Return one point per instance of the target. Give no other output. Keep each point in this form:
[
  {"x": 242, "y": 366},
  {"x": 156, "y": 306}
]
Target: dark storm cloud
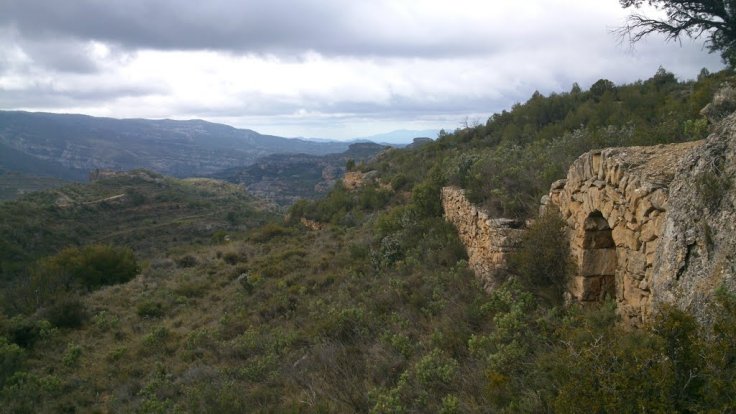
[{"x": 331, "y": 27}]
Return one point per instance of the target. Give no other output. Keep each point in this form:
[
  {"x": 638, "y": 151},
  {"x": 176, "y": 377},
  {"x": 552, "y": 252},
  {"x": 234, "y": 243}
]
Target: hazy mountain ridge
[
  {"x": 68, "y": 146},
  {"x": 13, "y": 184},
  {"x": 401, "y": 136}
]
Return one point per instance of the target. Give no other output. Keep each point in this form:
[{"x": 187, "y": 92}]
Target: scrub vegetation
[{"x": 373, "y": 309}]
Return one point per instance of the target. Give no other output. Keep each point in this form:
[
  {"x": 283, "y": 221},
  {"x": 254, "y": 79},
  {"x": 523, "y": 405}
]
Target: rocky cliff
[{"x": 697, "y": 253}]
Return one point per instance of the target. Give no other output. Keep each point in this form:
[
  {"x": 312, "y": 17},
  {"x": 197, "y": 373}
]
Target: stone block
[
  {"x": 651, "y": 253},
  {"x": 590, "y": 289},
  {"x": 598, "y": 262},
  {"x": 596, "y": 288},
  {"x": 558, "y": 185},
  {"x": 643, "y": 209},
  {"x": 632, "y": 293},
  {"x": 576, "y": 287},
  {"x": 625, "y": 237},
  {"x": 600, "y": 239},
  {"x": 659, "y": 199},
  {"x": 647, "y": 231},
  {"x": 636, "y": 264},
  {"x": 596, "y": 164}
]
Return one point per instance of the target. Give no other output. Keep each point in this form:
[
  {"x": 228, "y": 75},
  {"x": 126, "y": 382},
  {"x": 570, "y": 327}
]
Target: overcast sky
[{"x": 316, "y": 68}]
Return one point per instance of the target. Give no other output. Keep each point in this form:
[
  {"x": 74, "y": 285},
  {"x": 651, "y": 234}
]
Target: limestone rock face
[
  {"x": 698, "y": 248},
  {"x": 652, "y": 225},
  {"x": 723, "y": 104},
  {"x": 487, "y": 240},
  {"x": 353, "y": 180}
]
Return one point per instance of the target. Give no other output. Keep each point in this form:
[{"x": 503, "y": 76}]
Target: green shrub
[
  {"x": 187, "y": 261},
  {"x": 695, "y": 128},
  {"x": 156, "y": 337},
  {"x": 350, "y": 165},
  {"x": 542, "y": 263},
  {"x": 116, "y": 354},
  {"x": 399, "y": 182},
  {"x": 27, "y": 392},
  {"x": 231, "y": 258},
  {"x": 104, "y": 321},
  {"x": 92, "y": 266},
  {"x": 192, "y": 288},
  {"x": 72, "y": 354},
  {"x": 249, "y": 281},
  {"x": 67, "y": 312},
  {"x": 11, "y": 359},
  {"x": 268, "y": 232},
  {"x": 26, "y": 331},
  {"x": 150, "y": 309},
  {"x": 219, "y": 237},
  {"x": 426, "y": 197},
  {"x": 346, "y": 325}
]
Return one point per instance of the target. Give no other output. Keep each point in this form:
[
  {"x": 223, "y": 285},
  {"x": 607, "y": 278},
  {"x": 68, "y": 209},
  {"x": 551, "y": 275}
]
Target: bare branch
[{"x": 714, "y": 19}]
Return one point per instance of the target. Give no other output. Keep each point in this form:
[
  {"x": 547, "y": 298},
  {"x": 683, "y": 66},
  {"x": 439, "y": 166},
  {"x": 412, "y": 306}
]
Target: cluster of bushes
[
  {"x": 341, "y": 206},
  {"x": 582, "y": 361},
  {"x": 510, "y": 161},
  {"x": 54, "y": 284},
  {"x": 519, "y": 349},
  {"x": 177, "y": 212}
]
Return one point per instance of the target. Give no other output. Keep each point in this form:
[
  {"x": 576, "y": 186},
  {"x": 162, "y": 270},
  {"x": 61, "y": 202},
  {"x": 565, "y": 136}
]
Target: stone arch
[
  {"x": 624, "y": 191},
  {"x": 598, "y": 262}
]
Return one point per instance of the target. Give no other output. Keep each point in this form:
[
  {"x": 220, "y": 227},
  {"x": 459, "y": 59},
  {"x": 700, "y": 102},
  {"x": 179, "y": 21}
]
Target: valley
[{"x": 364, "y": 297}]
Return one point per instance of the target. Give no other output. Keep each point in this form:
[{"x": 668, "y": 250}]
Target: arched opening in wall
[{"x": 598, "y": 264}]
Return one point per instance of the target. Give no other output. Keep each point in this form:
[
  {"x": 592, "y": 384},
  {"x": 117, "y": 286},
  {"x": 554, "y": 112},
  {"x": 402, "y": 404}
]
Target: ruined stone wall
[
  {"x": 647, "y": 225},
  {"x": 487, "y": 240},
  {"x": 670, "y": 211},
  {"x": 615, "y": 202}
]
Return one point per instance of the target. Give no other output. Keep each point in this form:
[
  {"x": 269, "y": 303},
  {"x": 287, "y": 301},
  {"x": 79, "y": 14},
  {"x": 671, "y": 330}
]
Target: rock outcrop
[
  {"x": 698, "y": 249},
  {"x": 652, "y": 225},
  {"x": 488, "y": 241}
]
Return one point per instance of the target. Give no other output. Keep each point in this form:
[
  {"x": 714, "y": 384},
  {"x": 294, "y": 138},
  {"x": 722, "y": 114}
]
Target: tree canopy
[{"x": 715, "y": 19}]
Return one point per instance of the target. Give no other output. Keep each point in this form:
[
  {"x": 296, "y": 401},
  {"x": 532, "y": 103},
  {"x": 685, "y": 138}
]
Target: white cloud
[{"x": 373, "y": 66}]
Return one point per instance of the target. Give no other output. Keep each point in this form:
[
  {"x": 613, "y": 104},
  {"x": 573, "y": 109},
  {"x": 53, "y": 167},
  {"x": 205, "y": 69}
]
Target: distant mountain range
[
  {"x": 39, "y": 150},
  {"x": 70, "y": 146},
  {"x": 400, "y": 136}
]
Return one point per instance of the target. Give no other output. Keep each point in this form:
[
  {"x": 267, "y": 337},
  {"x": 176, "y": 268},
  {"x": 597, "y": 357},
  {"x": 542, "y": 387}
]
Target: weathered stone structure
[
  {"x": 653, "y": 225},
  {"x": 647, "y": 225},
  {"x": 615, "y": 202},
  {"x": 487, "y": 240}
]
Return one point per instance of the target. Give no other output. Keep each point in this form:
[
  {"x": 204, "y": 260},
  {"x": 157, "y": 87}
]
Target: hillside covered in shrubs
[{"x": 362, "y": 301}]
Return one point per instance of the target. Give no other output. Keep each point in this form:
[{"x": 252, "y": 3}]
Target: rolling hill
[{"x": 69, "y": 146}]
